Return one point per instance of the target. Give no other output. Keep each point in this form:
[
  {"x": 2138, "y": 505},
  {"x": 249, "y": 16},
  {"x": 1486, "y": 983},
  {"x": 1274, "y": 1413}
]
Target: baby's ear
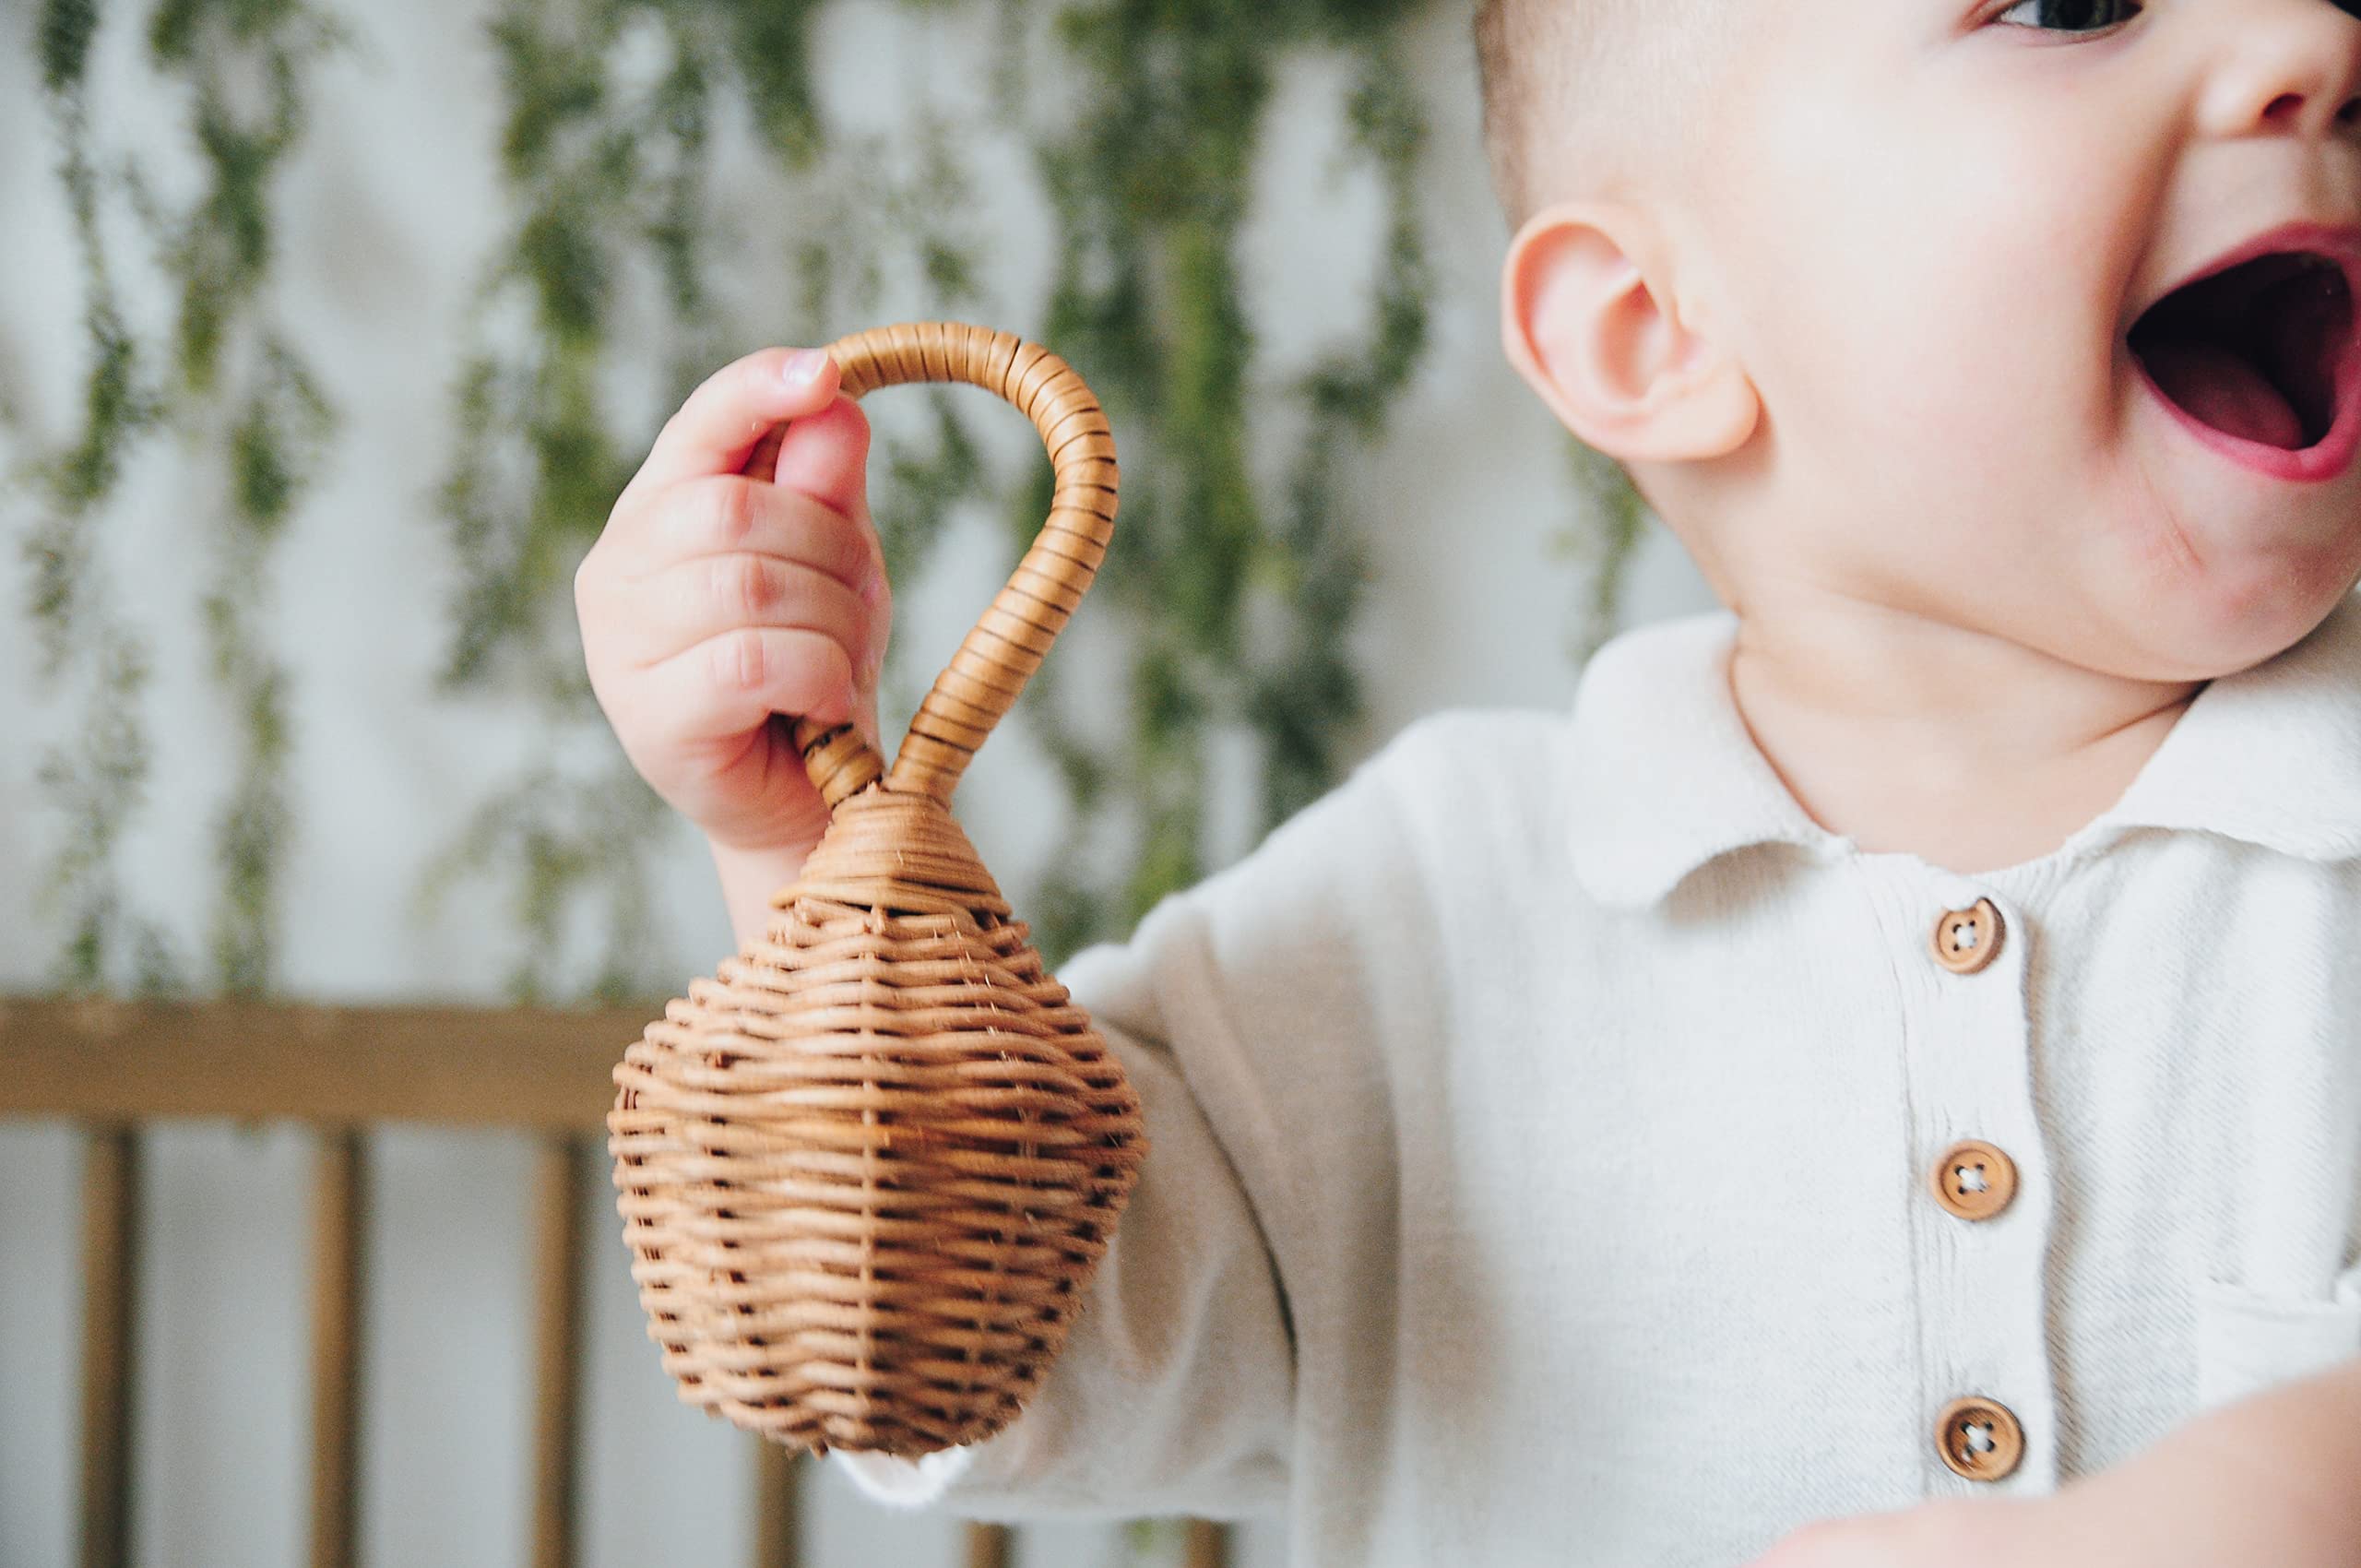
[{"x": 1589, "y": 321}]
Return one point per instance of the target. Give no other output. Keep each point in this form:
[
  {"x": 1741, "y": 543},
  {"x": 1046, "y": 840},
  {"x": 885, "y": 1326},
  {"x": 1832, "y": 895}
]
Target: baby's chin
[{"x": 2208, "y": 632}]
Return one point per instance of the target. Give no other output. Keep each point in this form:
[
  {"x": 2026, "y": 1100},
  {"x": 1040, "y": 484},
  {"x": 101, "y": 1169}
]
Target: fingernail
[{"x": 802, "y": 367}]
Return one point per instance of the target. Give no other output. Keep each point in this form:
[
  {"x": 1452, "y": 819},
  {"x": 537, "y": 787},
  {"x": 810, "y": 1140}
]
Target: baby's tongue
[{"x": 2226, "y": 391}]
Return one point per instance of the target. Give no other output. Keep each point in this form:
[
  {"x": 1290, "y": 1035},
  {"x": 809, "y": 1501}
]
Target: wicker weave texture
[{"x": 867, "y": 1168}]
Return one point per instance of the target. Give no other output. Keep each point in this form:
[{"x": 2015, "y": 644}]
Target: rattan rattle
[{"x": 867, "y": 1169}]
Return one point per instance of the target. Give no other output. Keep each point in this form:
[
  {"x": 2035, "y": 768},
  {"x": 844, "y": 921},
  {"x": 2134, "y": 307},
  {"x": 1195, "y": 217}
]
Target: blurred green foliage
[
  {"x": 230, "y": 384},
  {"x": 1236, "y": 591},
  {"x": 1146, "y": 175}
]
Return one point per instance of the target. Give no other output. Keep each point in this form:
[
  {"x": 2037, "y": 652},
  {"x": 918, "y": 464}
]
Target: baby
[{"x": 1877, "y": 1081}]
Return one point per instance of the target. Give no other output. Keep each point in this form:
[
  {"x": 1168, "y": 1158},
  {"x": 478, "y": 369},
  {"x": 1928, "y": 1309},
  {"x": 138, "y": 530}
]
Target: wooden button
[
  {"x": 1974, "y": 1179},
  {"x": 1979, "y": 1438},
  {"x": 1967, "y": 939}
]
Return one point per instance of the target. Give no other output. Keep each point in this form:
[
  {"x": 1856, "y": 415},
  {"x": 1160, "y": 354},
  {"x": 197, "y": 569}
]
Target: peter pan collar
[{"x": 1665, "y": 777}]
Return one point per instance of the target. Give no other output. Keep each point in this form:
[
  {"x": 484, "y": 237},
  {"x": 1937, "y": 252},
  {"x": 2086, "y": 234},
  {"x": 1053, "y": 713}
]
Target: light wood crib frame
[{"x": 114, "y": 1066}]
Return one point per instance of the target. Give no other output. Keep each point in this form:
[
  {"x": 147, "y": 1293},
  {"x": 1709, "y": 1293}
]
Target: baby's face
[{"x": 1935, "y": 242}]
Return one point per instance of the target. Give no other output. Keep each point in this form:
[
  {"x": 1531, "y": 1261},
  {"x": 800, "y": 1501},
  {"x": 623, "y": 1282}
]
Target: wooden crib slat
[
  {"x": 104, "y": 1060},
  {"x": 1207, "y": 1545},
  {"x": 113, "y": 1064},
  {"x": 777, "y": 1514},
  {"x": 110, "y": 1249},
  {"x": 557, "y": 1333},
  {"x": 991, "y": 1546},
  {"x": 339, "y": 1215}
]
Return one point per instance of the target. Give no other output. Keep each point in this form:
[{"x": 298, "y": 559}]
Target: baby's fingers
[
  {"x": 824, "y": 457},
  {"x": 718, "y": 428},
  {"x": 726, "y": 686},
  {"x": 698, "y": 599},
  {"x": 727, "y": 513}
]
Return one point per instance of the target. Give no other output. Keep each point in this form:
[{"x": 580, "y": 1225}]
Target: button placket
[
  {"x": 1979, "y": 1244},
  {"x": 1965, "y": 940},
  {"x": 1979, "y": 1439},
  {"x": 1974, "y": 1179}
]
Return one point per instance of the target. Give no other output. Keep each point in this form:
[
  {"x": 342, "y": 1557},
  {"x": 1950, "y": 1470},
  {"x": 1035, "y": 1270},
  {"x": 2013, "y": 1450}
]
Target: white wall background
[{"x": 387, "y": 213}]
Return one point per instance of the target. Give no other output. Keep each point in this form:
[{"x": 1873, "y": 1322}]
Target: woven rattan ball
[{"x": 867, "y": 1168}]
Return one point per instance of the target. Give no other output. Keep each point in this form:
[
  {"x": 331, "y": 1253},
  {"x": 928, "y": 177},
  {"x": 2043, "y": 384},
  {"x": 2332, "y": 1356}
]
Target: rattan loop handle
[{"x": 1006, "y": 645}]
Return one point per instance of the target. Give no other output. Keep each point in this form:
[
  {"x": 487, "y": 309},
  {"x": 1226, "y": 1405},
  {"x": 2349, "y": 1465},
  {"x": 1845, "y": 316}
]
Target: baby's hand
[{"x": 724, "y": 592}]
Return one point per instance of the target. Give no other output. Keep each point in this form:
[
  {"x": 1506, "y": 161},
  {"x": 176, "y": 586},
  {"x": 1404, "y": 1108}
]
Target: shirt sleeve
[
  {"x": 1172, "y": 1393},
  {"x": 1235, "y": 1010}
]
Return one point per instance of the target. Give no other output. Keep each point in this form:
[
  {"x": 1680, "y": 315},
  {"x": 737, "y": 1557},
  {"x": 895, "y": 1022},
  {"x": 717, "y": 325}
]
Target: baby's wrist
[
  {"x": 765, "y": 851},
  {"x": 750, "y": 874}
]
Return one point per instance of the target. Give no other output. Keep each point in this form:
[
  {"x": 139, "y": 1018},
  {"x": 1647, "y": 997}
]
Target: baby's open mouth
[{"x": 2255, "y": 350}]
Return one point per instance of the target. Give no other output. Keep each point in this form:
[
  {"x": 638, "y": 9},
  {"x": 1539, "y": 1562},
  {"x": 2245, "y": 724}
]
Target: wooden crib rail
[{"x": 114, "y": 1066}]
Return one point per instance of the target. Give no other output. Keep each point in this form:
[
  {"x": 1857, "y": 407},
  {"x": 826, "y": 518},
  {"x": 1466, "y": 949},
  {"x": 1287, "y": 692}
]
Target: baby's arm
[
  {"x": 2272, "y": 1479},
  {"x": 740, "y": 578},
  {"x": 1174, "y": 1392},
  {"x": 1240, "y": 1346}
]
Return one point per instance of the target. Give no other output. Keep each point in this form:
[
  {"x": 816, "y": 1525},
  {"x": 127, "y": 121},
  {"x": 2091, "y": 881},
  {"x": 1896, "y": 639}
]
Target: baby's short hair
[{"x": 1585, "y": 96}]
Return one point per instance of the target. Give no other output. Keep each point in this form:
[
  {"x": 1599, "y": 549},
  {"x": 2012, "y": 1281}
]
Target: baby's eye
[{"x": 2070, "y": 16}]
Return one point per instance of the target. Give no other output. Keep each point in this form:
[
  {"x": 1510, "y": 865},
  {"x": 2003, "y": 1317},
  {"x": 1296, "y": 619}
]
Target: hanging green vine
[
  {"x": 261, "y": 410},
  {"x": 610, "y": 179},
  {"x": 95, "y": 778},
  {"x": 598, "y": 178},
  {"x": 264, "y": 419},
  {"x": 1149, "y": 186}
]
